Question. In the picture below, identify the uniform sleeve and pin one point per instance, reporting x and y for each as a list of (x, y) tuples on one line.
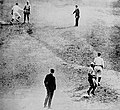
[(74, 11), (20, 9), (12, 8), (90, 70), (24, 8), (103, 63)]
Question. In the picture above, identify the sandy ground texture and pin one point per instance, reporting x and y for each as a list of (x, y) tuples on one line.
[(54, 30)]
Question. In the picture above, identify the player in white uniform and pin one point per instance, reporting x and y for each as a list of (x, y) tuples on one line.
[(99, 65), (15, 13)]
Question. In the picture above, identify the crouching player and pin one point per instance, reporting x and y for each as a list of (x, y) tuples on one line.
[(92, 80)]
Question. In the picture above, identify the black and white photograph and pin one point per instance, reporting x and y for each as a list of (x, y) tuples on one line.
[(59, 54)]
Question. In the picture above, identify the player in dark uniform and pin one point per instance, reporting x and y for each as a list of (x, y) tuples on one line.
[(77, 15), (92, 80)]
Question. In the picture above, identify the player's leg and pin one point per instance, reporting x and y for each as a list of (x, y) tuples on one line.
[(28, 15), (50, 99), (13, 18), (46, 99), (18, 17), (77, 19), (24, 17), (99, 79), (94, 88), (90, 88)]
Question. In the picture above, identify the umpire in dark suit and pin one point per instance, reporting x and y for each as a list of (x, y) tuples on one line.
[(77, 15), (27, 12), (50, 85)]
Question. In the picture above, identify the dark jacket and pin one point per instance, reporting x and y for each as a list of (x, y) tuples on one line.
[(50, 82), (77, 12)]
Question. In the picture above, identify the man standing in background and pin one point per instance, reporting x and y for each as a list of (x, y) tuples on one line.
[(15, 13), (99, 65), (27, 9), (77, 15), (50, 85)]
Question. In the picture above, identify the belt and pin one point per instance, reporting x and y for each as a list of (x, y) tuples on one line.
[(99, 65)]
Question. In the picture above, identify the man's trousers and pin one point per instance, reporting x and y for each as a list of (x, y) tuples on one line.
[(48, 98), (26, 15), (16, 15), (76, 21), (92, 87), (98, 71)]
